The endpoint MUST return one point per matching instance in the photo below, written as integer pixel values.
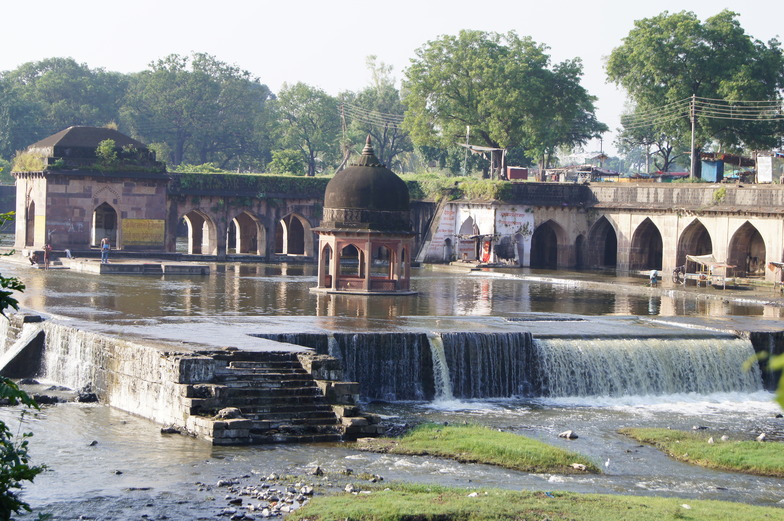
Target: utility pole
(693, 116)
(465, 162)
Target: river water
(133, 471)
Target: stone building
(70, 196)
(365, 237)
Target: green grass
(435, 503)
(478, 444)
(750, 457)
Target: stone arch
(602, 251)
(104, 224)
(747, 251)
(325, 270)
(351, 261)
(469, 240)
(382, 258)
(30, 225)
(293, 236)
(695, 240)
(545, 245)
(202, 233)
(579, 252)
(246, 235)
(647, 247)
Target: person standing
(47, 254)
(653, 278)
(105, 247)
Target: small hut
(365, 236)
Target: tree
(307, 120)
(501, 86)
(286, 162)
(44, 97)
(15, 465)
(377, 111)
(669, 58)
(205, 110)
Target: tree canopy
(503, 87)
(205, 109)
(307, 120)
(667, 59)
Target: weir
(481, 365)
(306, 386)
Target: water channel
(133, 471)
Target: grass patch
(434, 503)
(750, 457)
(478, 444)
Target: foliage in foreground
(427, 502)
(751, 457)
(15, 466)
(478, 444)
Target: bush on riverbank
(478, 444)
(429, 502)
(751, 457)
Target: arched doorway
(104, 224)
(380, 263)
(579, 252)
(293, 236)
(695, 240)
(202, 239)
(245, 234)
(469, 243)
(325, 270)
(544, 246)
(647, 247)
(30, 225)
(602, 245)
(350, 262)
(747, 251)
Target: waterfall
(648, 366)
(73, 357)
(441, 379)
(472, 365)
(388, 366)
(489, 365)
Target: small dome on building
(367, 195)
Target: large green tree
(205, 110)
(504, 88)
(307, 120)
(40, 98)
(667, 59)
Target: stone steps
(277, 400)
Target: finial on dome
(368, 157)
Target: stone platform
(135, 268)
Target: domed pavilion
(365, 236)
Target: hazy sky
(325, 42)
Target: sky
(325, 43)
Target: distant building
(69, 197)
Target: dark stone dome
(367, 195)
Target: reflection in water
(264, 289)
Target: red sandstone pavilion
(365, 237)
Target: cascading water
(472, 365)
(488, 365)
(647, 366)
(71, 356)
(441, 380)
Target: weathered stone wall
(135, 377)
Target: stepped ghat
(265, 383)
